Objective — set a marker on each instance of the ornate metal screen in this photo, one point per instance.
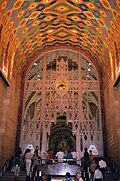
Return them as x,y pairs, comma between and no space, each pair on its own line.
62,83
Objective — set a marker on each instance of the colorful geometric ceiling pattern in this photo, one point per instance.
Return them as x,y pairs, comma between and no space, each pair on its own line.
29,26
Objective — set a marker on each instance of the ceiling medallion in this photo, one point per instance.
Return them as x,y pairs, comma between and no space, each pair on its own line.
62,8
61,86
62,34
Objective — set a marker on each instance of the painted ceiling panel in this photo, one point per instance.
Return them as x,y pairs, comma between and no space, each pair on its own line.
32,25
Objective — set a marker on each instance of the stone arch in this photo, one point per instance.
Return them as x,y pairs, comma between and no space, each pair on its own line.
61,137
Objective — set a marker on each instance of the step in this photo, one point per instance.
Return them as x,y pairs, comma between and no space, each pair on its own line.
23,178
10,176
111,177
13,174
13,178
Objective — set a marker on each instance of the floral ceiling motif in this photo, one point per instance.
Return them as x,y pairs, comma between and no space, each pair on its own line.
29,26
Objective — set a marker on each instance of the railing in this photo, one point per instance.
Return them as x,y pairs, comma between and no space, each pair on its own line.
112,167
64,160
86,174
4,168
37,173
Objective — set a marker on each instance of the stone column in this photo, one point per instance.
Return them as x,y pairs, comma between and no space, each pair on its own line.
44,134
79,108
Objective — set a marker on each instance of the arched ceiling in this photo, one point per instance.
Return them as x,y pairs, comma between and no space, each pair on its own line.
30,26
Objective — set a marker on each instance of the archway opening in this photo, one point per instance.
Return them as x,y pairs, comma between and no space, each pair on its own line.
62,99
61,136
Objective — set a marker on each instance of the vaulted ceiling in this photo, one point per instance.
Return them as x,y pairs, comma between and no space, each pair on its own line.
28,27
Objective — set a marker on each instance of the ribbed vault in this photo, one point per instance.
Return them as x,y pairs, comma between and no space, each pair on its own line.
28,27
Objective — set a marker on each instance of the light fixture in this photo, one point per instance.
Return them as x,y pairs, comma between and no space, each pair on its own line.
51,30
74,31
90,64
35,63
89,69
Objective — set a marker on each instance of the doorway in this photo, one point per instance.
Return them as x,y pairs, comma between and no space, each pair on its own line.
61,137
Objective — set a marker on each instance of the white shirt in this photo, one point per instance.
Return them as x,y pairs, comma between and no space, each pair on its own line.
98,174
60,155
74,154
81,179
102,164
28,155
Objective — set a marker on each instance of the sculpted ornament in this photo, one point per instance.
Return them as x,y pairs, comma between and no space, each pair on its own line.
61,86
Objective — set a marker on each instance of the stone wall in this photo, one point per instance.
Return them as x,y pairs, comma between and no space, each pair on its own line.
9,103
112,114
3,90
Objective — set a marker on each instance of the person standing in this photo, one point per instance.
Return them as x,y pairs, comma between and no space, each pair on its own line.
86,155
44,157
37,152
91,156
86,163
74,154
50,156
98,175
18,153
102,165
93,167
28,161
68,178
17,161
78,177
60,155
18,156
69,157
